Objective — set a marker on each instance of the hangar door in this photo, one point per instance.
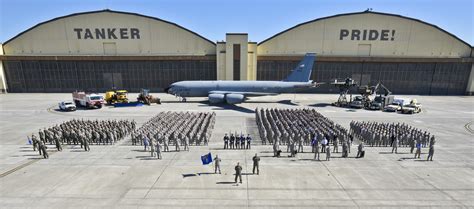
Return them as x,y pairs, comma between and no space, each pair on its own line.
113,80
361,79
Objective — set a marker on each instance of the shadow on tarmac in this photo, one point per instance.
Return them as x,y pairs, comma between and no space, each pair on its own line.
196,174
398,153
30,155
225,182
229,107
341,157
405,158
320,105
205,173
77,109
219,149
27,151
287,102
76,150
189,175
139,150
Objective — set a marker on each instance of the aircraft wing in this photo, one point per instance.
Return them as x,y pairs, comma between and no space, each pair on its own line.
245,93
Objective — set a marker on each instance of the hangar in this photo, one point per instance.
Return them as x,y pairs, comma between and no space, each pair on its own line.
99,50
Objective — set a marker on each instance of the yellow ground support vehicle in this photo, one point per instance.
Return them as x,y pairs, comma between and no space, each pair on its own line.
146,98
116,96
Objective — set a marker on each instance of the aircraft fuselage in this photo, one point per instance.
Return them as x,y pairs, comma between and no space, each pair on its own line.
202,88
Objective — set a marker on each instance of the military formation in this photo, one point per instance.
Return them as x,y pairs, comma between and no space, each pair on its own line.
82,132
384,134
235,141
293,128
178,129
297,128
393,135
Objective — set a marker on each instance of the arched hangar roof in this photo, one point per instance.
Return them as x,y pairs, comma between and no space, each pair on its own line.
355,13
413,37
107,10
161,35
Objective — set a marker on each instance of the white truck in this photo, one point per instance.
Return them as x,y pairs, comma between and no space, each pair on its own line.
67,106
412,108
397,104
88,100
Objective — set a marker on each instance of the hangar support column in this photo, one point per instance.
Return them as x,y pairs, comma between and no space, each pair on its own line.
220,60
236,58
470,83
3,82
252,61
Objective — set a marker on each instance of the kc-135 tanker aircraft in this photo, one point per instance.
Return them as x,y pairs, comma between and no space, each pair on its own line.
234,92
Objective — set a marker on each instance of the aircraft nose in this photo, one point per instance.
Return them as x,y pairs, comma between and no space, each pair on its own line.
169,89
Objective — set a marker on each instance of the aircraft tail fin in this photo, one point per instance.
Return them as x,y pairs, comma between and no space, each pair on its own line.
302,72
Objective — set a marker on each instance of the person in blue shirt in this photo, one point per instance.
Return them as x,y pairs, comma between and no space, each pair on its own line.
145,142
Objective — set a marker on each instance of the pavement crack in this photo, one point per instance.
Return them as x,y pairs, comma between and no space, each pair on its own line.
167,165
340,184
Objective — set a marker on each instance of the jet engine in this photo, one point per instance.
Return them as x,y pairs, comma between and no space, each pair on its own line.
216,98
234,98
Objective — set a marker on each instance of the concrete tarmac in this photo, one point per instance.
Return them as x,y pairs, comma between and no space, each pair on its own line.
124,176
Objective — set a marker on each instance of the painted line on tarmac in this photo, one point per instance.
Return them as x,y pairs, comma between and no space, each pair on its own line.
340,185
23,165
52,110
164,169
468,127
19,167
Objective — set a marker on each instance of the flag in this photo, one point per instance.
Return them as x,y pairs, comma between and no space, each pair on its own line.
206,159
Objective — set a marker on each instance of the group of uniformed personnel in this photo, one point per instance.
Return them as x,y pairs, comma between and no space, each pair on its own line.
393,135
238,167
83,132
175,128
297,128
234,141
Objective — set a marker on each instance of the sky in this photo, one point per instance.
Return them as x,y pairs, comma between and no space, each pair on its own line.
261,19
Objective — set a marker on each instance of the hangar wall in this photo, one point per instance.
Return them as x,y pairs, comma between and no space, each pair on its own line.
100,50
99,76
407,55
424,78
366,34
108,33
